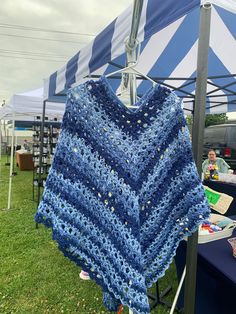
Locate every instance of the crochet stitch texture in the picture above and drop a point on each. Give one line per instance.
(123, 189)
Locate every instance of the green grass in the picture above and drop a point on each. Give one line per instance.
(35, 277)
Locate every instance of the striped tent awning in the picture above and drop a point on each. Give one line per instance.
(168, 34)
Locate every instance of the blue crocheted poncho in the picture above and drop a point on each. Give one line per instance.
(123, 189)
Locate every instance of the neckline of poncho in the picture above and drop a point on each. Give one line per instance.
(142, 103)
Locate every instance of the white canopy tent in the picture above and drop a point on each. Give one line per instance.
(22, 107)
(28, 105)
(158, 32)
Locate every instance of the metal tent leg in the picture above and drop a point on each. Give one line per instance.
(11, 163)
(7, 162)
(198, 134)
(178, 291)
(158, 298)
(0, 149)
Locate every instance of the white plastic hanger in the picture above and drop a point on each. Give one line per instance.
(131, 70)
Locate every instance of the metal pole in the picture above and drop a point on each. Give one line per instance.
(41, 151)
(0, 139)
(11, 162)
(137, 10)
(178, 292)
(7, 142)
(1, 149)
(198, 135)
(131, 46)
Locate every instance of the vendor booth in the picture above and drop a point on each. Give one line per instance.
(27, 106)
(177, 44)
(169, 39)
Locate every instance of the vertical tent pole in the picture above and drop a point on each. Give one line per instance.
(131, 52)
(131, 46)
(7, 142)
(178, 292)
(0, 139)
(41, 150)
(198, 135)
(11, 162)
(0, 149)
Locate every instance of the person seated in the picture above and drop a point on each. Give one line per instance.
(26, 145)
(220, 163)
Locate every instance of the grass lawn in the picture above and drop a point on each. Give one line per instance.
(35, 277)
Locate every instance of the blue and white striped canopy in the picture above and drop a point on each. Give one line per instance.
(168, 34)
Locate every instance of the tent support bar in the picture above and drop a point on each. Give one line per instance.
(0, 142)
(187, 84)
(218, 103)
(137, 10)
(221, 88)
(221, 76)
(176, 88)
(11, 163)
(154, 78)
(180, 88)
(221, 104)
(222, 95)
(131, 46)
(41, 153)
(115, 65)
(198, 133)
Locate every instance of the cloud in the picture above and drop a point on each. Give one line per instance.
(19, 75)
(39, 8)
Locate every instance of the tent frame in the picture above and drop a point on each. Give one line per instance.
(188, 95)
(11, 162)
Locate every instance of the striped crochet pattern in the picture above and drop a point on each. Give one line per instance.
(123, 189)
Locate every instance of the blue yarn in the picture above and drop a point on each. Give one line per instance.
(123, 189)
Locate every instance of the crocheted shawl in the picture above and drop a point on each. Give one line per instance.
(123, 189)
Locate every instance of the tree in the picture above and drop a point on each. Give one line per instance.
(211, 119)
(215, 119)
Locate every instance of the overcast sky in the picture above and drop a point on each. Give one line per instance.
(18, 72)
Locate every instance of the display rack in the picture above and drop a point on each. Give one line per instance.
(49, 141)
